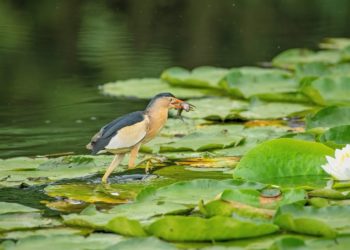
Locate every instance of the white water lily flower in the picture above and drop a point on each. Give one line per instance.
(339, 167)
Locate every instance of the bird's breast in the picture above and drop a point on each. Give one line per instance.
(154, 127)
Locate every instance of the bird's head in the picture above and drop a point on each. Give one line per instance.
(165, 100)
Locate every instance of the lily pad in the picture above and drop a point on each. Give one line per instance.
(335, 43)
(199, 141)
(125, 226)
(147, 88)
(201, 77)
(20, 221)
(329, 117)
(147, 243)
(191, 192)
(290, 58)
(7, 207)
(218, 228)
(339, 135)
(58, 242)
(282, 159)
(247, 82)
(327, 221)
(328, 90)
(273, 110)
(330, 193)
(254, 197)
(216, 109)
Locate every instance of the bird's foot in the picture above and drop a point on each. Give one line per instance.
(151, 161)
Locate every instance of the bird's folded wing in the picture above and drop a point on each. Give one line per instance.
(128, 136)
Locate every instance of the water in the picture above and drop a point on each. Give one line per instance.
(54, 54)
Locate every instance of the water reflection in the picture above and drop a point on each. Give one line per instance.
(54, 54)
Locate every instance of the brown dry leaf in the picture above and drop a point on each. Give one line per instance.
(218, 162)
(264, 123)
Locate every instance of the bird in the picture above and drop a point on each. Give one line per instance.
(127, 133)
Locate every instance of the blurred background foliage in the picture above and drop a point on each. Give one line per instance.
(54, 54)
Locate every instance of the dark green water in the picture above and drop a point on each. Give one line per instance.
(54, 54)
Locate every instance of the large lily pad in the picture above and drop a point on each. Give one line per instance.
(329, 117)
(273, 110)
(216, 109)
(7, 207)
(201, 77)
(327, 221)
(290, 58)
(200, 141)
(247, 82)
(20, 221)
(339, 135)
(147, 88)
(218, 228)
(147, 243)
(191, 192)
(281, 159)
(328, 90)
(58, 242)
(257, 199)
(335, 43)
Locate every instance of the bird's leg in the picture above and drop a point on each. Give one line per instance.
(116, 161)
(133, 155)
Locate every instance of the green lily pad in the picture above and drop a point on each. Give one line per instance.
(254, 197)
(16, 235)
(147, 88)
(321, 69)
(247, 82)
(339, 135)
(7, 207)
(330, 193)
(125, 226)
(290, 58)
(216, 109)
(191, 192)
(335, 43)
(273, 110)
(19, 221)
(147, 243)
(235, 209)
(327, 221)
(252, 137)
(329, 117)
(201, 77)
(94, 241)
(327, 90)
(218, 228)
(199, 141)
(282, 159)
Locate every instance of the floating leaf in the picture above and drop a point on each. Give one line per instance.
(216, 109)
(329, 117)
(327, 221)
(147, 88)
(272, 110)
(282, 159)
(125, 226)
(19, 221)
(339, 135)
(181, 228)
(330, 193)
(290, 58)
(199, 141)
(96, 241)
(149, 243)
(247, 82)
(335, 43)
(7, 207)
(201, 77)
(191, 192)
(327, 90)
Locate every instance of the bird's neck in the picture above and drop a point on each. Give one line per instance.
(158, 117)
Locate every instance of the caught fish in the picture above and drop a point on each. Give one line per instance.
(184, 106)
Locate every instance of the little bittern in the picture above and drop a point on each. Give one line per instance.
(127, 133)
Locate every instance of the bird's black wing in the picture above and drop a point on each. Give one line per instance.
(102, 138)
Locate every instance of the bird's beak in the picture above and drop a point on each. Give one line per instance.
(176, 103)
